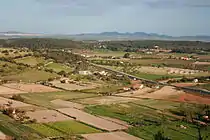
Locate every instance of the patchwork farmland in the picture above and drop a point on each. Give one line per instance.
(69, 94)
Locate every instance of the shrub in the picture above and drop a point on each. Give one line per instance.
(18, 98)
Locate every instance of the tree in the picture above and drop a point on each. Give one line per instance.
(160, 136)
(63, 73)
(126, 55)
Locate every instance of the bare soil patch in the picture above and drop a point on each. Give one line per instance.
(45, 116)
(136, 93)
(193, 99)
(110, 136)
(15, 104)
(163, 93)
(30, 87)
(5, 90)
(92, 120)
(67, 104)
(106, 100)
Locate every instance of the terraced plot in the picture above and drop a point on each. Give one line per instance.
(5, 90)
(62, 128)
(14, 104)
(110, 136)
(45, 116)
(92, 120)
(30, 87)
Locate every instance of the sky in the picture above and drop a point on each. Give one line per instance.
(170, 17)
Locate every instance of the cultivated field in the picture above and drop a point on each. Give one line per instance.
(15, 104)
(67, 104)
(190, 98)
(139, 113)
(163, 93)
(45, 116)
(110, 136)
(33, 88)
(74, 86)
(63, 128)
(136, 93)
(44, 99)
(107, 100)
(30, 76)
(5, 90)
(92, 120)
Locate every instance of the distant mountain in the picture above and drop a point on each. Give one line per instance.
(106, 36)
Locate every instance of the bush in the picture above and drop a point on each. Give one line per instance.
(160, 136)
(18, 98)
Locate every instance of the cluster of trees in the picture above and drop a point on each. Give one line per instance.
(176, 46)
(127, 46)
(36, 43)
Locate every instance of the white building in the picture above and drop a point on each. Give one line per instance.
(85, 73)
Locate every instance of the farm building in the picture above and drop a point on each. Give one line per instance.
(85, 72)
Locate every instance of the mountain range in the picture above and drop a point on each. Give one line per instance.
(106, 36)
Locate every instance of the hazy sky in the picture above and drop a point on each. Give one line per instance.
(172, 17)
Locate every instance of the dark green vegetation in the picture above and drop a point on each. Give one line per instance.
(178, 46)
(148, 119)
(35, 43)
(17, 130)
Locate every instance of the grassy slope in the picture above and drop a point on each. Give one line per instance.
(33, 61)
(31, 76)
(57, 67)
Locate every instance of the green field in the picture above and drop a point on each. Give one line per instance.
(43, 99)
(157, 104)
(63, 128)
(57, 67)
(45, 130)
(147, 119)
(32, 61)
(31, 76)
(154, 76)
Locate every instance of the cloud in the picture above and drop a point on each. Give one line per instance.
(104, 7)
